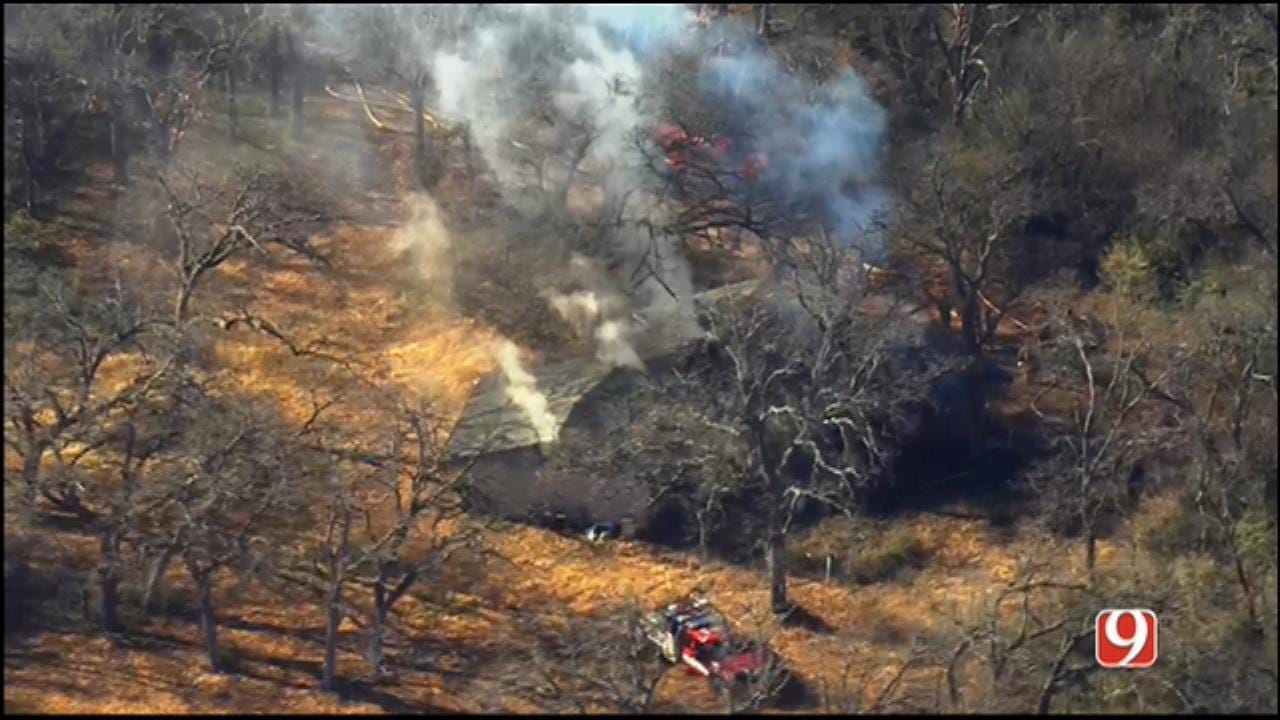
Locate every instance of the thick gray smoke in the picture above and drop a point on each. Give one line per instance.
(547, 88)
(531, 76)
(822, 142)
(532, 81)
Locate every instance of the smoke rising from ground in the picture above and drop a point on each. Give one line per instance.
(522, 389)
(614, 345)
(426, 242)
(602, 319)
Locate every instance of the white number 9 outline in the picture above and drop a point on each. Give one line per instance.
(1135, 644)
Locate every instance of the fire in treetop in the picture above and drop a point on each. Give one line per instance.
(683, 150)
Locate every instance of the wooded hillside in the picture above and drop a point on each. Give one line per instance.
(943, 326)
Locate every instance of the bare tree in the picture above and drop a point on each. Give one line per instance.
(1227, 386)
(335, 554)
(961, 33)
(112, 57)
(810, 392)
(275, 68)
(232, 31)
(172, 102)
(214, 220)
(1010, 641)
(961, 213)
(43, 101)
(850, 692)
(1095, 404)
(392, 48)
(117, 517)
(73, 417)
(429, 526)
(297, 64)
(53, 392)
(589, 664)
(224, 484)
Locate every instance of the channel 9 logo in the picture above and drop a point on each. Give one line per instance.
(1126, 638)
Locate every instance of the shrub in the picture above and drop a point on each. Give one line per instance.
(1256, 537)
(20, 227)
(803, 561)
(1170, 529)
(897, 550)
(1128, 271)
(836, 537)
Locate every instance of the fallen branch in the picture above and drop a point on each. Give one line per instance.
(373, 118)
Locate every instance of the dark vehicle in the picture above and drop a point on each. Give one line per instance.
(604, 531)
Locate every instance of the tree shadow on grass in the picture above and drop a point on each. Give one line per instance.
(796, 693)
(307, 634)
(250, 664)
(799, 617)
(348, 689)
(62, 667)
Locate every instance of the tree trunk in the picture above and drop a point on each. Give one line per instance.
(776, 558)
(579, 153)
(471, 167)
(119, 151)
(28, 187)
(702, 535)
(375, 641)
(31, 475)
(944, 312)
(337, 561)
(109, 581)
(333, 618)
(969, 323)
(966, 301)
(275, 70)
(150, 601)
(1242, 578)
(420, 136)
(295, 66)
(976, 410)
(208, 621)
(762, 20)
(1246, 589)
(29, 154)
(233, 112)
(182, 305)
(1090, 556)
(164, 140)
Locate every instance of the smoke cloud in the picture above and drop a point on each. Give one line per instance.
(603, 319)
(823, 142)
(426, 242)
(614, 338)
(559, 94)
(522, 389)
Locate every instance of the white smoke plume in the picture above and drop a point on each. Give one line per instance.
(425, 241)
(602, 318)
(522, 389)
(614, 346)
(580, 309)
